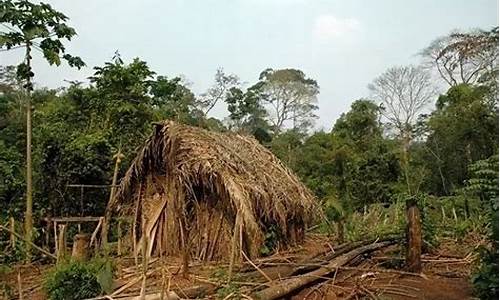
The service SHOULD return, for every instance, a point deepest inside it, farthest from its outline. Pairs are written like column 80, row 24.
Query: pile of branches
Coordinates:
column 270, row 278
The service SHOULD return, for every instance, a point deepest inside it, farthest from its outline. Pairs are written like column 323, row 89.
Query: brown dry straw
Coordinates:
column 190, row 184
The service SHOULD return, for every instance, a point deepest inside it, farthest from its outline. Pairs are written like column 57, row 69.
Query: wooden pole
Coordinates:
column 107, row 215
column 185, row 250
column 61, row 253
column 33, row 245
column 56, row 248
column 19, row 284
column 28, row 217
column 414, row 238
column 145, row 256
column 12, row 225
column 234, row 242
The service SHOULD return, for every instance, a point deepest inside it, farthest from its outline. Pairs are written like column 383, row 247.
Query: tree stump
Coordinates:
column 81, row 243
column 413, row 238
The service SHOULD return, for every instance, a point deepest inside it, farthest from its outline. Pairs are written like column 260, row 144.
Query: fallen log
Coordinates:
column 277, row 271
column 293, row 284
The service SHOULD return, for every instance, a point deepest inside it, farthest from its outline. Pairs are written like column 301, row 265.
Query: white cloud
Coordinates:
column 329, row 27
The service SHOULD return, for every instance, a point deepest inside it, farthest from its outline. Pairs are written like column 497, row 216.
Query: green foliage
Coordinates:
column 485, row 278
column 36, row 26
column 429, row 234
column 11, row 255
column 78, row 280
column 226, row 289
column 463, row 129
column 271, row 238
column 376, row 221
column 353, row 163
column 483, row 182
column 231, row 290
column 247, row 114
column 289, row 97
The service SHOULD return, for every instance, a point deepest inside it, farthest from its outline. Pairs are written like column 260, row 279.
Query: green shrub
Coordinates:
column 271, row 240
column 79, row 280
column 378, row 221
column 225, row 290
column 485, row 279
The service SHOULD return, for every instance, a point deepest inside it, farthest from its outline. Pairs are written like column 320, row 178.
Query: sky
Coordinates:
column 343, row 45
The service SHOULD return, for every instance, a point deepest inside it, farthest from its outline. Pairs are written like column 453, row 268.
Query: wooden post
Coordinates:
column 81, row 247
column 107, row 215
column 413, row 238
column 28, row 217
column 454, row 214
column 185, row 250
column 145, row 256
column 61, row 247
column 12, row 226
column 19, row 284
column 56, row 248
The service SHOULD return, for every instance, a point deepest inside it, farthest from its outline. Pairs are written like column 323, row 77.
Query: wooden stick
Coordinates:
column 12, row 225
column 32, row 244
column 145, row 255
column 61, row 254
column 55, row 238
column 94, row 234
column 73, row 219
column 19, row 285
column 257, row 268
column 233, row 245
column 214, row 244
column 385, row 271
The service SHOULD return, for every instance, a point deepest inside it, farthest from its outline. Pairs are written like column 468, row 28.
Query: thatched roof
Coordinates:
column 189, row 171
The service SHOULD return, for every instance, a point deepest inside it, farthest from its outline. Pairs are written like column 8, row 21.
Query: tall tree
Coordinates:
column 218, row 91
column 173, row 99
column 247, row 114
column 464, row 57
column 403, row 93
column 462, row 130
column 34, row 27
column 289, row 96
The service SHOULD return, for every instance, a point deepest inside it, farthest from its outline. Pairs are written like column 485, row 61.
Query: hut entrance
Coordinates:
column 201, row 223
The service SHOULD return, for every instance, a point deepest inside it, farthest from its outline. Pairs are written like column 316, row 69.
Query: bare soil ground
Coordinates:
column 446, row 273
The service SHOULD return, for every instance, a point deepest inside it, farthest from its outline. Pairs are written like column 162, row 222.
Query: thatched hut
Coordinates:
column 211, row 193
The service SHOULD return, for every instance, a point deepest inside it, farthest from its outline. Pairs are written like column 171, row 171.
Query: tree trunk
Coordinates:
column 293, row 284
column 413, row 238
column 81, row 247
column 107, row 214
column 28, row 218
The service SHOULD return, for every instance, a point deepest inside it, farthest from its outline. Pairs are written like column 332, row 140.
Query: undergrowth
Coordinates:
column 79, row 280
column 227, row 290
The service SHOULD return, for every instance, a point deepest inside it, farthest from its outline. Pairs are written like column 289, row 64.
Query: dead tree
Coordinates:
column 403, row 93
